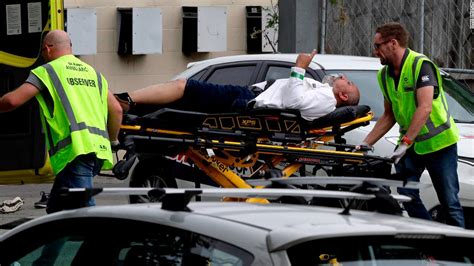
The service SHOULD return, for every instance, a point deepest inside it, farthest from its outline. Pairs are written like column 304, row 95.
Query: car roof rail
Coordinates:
column 336, row 180
column 176, row 199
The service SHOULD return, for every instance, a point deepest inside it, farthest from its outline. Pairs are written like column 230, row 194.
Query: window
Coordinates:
column 213, row 252
column 281, row 72
column 460, row 101
column 235, row 75
column 97, row 241
column 384, row 250
column 106, row 241
column 47, row 254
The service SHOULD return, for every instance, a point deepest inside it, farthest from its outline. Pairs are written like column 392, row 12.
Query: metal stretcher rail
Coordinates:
column 274, row 142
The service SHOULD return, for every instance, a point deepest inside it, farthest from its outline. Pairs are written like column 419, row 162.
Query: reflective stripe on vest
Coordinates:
column 432, row 130
column 70, row 114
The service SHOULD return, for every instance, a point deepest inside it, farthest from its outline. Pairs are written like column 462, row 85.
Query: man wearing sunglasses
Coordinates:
column 314, row 99
column 414, row 98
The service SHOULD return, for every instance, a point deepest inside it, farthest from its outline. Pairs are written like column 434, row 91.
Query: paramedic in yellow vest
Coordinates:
column 81, row 117
column 414, row 98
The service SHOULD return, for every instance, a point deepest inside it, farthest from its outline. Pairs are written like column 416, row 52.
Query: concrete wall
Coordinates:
column 126, row 73
column 299, row 23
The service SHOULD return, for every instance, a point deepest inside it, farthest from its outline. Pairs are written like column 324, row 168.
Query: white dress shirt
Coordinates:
column 312, row 98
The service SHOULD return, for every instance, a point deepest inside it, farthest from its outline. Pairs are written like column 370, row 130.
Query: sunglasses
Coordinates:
column 377, row 45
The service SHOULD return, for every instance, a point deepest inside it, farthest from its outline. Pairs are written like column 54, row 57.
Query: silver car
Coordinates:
column 232, row 233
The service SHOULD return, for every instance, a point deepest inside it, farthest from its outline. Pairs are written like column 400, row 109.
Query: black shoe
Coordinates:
column 43, row 201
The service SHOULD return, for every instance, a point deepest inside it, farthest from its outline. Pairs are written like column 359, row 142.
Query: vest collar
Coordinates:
column 390, row 72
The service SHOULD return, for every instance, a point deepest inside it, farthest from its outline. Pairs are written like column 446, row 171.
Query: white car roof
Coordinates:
column 283, row 225
column 327, row 61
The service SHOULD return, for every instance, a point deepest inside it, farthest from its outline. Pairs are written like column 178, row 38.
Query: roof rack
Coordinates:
column 336, row 180
column 175, row 199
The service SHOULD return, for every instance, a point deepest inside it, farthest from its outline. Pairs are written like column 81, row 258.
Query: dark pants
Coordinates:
column 214, row 98
column 76, row 174
column 442, row 167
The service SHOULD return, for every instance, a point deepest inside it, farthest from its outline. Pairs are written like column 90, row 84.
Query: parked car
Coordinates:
column 251, row 69
column 232, row 233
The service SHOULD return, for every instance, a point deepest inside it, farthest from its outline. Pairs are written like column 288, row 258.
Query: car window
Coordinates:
column 236, row 75
column 103, row 241
column 280, row 72
column 460, row 100
column 47, row 254
column 384, row 250
column 216, row 252
column 97, row 241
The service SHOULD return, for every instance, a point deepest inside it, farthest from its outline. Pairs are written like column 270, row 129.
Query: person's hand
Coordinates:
column 303, row 60
column 399, row 152
column 115, row 145
column 364, row 146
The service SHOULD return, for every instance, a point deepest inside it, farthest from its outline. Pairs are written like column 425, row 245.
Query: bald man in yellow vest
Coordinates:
column 81, row 117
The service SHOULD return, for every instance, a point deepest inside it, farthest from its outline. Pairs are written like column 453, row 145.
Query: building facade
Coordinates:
column 130, row 72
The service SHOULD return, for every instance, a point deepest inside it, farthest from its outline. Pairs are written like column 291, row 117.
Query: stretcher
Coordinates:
column 268, row 142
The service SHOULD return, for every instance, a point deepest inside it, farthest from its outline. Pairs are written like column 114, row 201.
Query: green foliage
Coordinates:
column 272, row 24
column 273, row 20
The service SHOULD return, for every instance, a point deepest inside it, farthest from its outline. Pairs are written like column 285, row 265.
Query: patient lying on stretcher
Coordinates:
column 312, row 98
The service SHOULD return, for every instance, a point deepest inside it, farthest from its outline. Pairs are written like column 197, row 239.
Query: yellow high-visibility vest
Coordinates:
column 439, row 131
column 76, row 111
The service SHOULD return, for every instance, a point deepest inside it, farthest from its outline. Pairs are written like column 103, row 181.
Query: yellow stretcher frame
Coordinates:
column 218, row 168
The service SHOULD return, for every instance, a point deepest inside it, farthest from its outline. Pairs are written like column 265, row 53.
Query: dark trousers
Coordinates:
column 442, row 167
column 77, row 174
column 206, row 97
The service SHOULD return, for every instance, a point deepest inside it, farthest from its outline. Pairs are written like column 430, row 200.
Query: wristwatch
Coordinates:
column 407, row 140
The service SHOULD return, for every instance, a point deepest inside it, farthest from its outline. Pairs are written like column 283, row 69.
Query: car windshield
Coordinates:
column 460, row 99
column 403, row 249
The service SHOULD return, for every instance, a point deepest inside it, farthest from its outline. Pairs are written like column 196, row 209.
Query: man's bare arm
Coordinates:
column 114, row 117
column 424, row 97
column 18, row 97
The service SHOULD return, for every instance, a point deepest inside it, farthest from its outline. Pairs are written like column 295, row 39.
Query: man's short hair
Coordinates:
column 394, row 30
column 354, row 97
